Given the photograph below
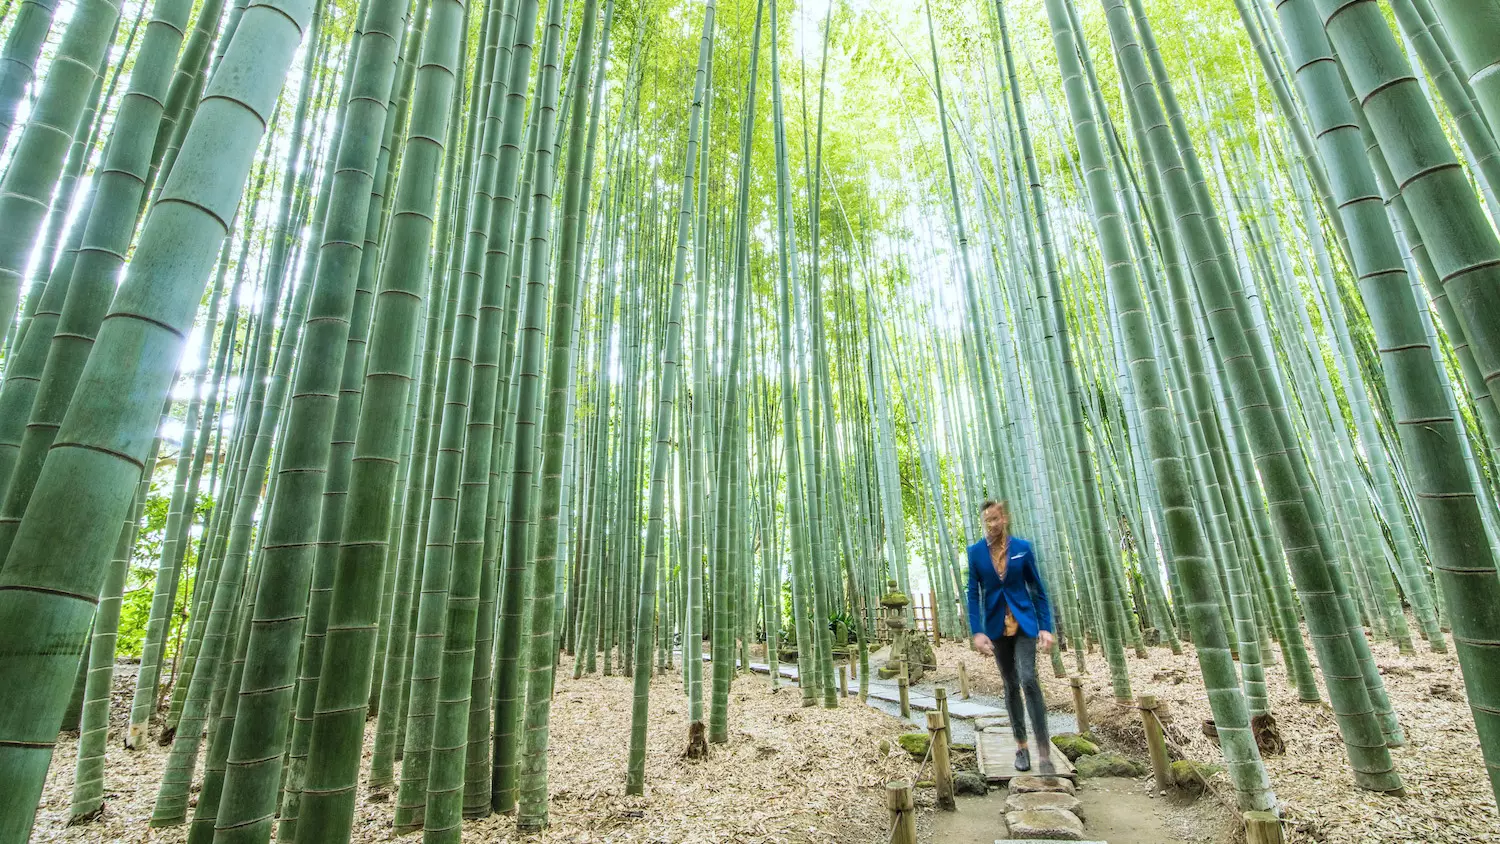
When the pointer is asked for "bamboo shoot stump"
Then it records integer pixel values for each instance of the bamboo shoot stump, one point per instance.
(1260, 828)
(942, 769)
(843, 681)
(940, 695)
(963, 681)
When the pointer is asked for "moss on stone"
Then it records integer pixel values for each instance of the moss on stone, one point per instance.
(1109, 765)
(1191, 776)
(1073, 745)
(914, 743)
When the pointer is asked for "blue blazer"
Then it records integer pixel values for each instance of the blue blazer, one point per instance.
(1022, 590)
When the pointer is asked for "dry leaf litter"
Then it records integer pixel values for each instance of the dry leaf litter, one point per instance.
(1448, 797)
(789, 775)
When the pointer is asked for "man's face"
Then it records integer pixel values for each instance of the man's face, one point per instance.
(996, 520)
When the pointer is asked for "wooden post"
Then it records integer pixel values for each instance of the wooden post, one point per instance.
(937, 635)
(843, 681)
(963, 681)
(903, 812)
(940, 694)
(1260, 828)
(1080, 711)
(942, 770)
(905, 697)
(1156, 743)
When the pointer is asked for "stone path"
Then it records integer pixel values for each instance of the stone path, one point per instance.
(918, 695)
(1042, 809)
(968, 716)
(1038, 808)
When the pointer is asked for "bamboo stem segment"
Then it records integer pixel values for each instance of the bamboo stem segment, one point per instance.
(963, 681)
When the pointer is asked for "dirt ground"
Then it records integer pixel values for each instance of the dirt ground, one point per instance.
(1448, 795)
(788, 775)
(797, 776)
(1120, 811)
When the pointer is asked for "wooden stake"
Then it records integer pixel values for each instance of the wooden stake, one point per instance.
(1156, 743)
(843, 681)
(905, 698)
(1260, 828)
(942, 770)
(1080, 711)
(937, 635)
(963, 681)
(903, 812)
(940, 694)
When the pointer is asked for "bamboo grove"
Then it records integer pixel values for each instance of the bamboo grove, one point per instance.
(366, 364)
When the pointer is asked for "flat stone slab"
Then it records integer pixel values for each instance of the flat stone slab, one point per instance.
(1045, 824)
(969, 709)
(984, 723)
(1023, 785)
(1026, 800)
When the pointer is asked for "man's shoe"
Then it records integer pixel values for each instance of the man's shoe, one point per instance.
(1023, 759)
(1046, 767)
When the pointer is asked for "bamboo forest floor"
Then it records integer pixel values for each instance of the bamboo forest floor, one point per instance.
(799, 775)
(789, 775)
(1448, 795)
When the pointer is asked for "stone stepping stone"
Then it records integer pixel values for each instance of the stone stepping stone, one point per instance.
(1025, 801)
(969, 709)
(1045, 824)
(984, 723)
(1023, 785)
(1037, 841)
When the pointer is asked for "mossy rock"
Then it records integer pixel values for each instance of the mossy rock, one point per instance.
(894, 600)
(919, 651)
(926, 784)
(1074, 745)
(1109, 765)
(884, 746)
(970, 782)
(1191, 777)
(915, 744)
(886, 672)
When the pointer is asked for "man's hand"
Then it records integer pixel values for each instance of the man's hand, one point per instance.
(1044, 641)
(983, 645)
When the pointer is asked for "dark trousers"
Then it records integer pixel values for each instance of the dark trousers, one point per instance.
(1016, 657)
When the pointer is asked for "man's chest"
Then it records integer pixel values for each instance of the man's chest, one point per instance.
(1004, 561)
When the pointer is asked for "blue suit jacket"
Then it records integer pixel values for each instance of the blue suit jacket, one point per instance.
(1022, 590)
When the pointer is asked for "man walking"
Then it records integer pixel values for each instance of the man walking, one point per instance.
(1010, 616)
